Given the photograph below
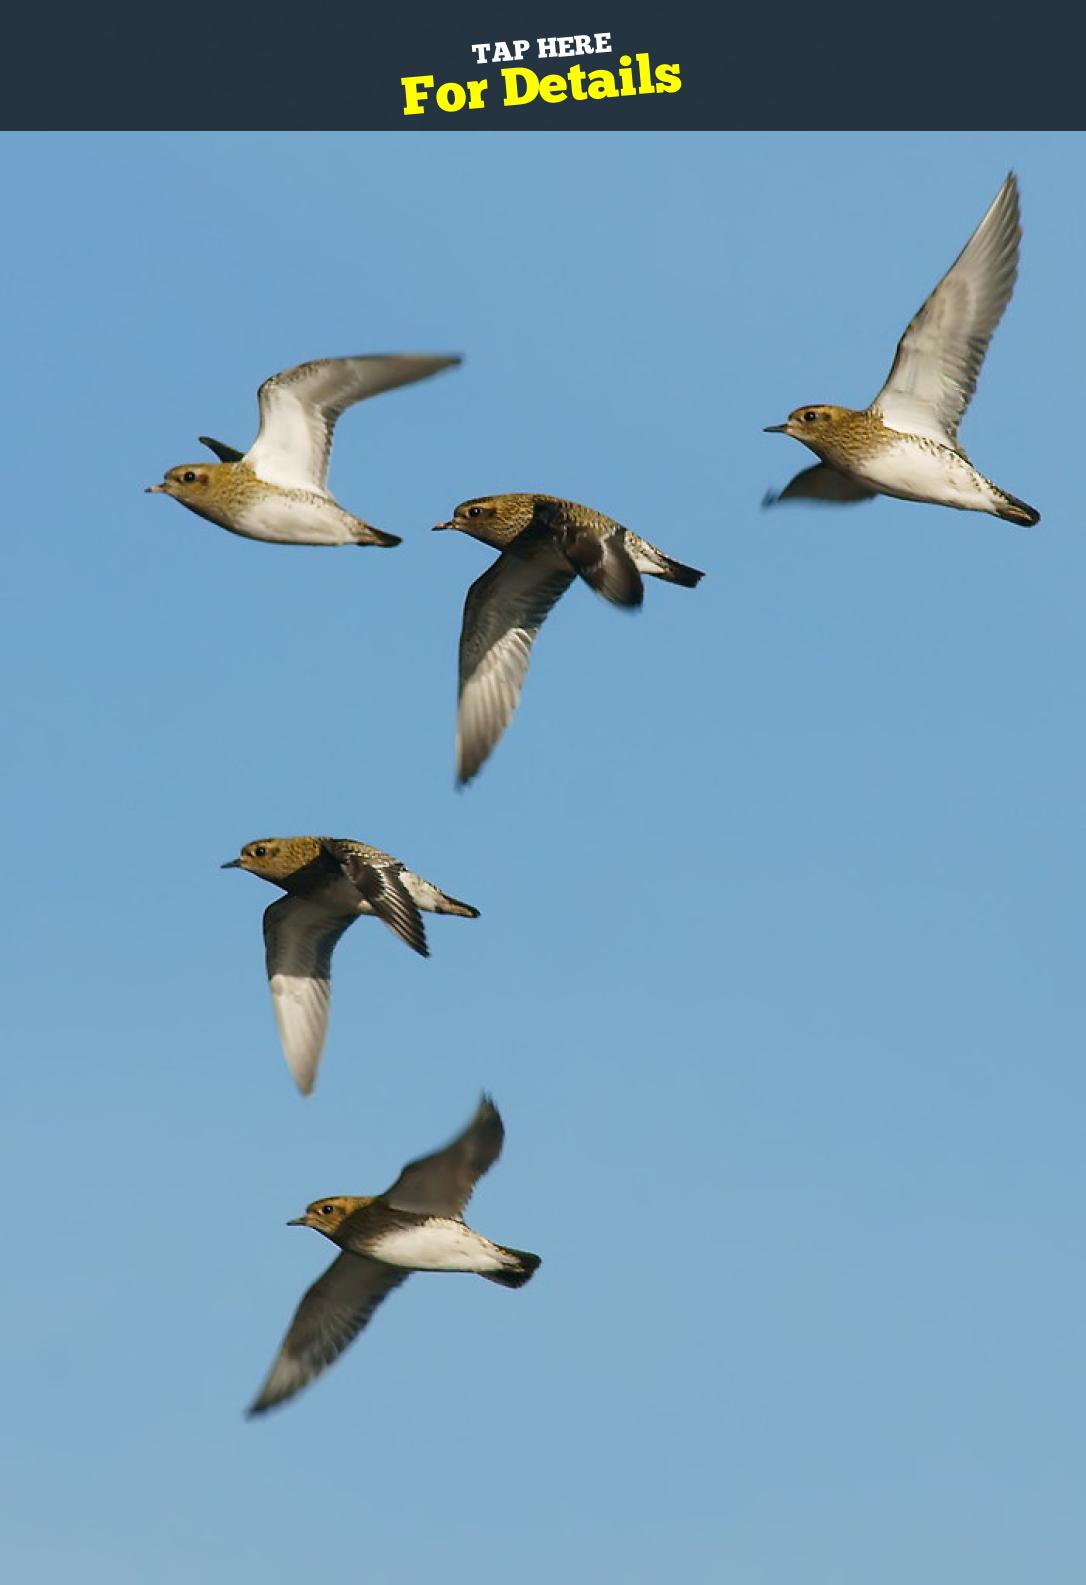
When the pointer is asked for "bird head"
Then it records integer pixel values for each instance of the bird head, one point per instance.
(276, 858)
(813, 424)
(495, 519)
(327, 1216)
(190, 484)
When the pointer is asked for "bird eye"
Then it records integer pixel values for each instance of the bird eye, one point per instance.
(260, 851)
(188, 477)
(475, 511)
(809, 416)
(326, 1210)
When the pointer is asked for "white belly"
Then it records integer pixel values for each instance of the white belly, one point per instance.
(300, 519)
(439, 1245)
(915, 472)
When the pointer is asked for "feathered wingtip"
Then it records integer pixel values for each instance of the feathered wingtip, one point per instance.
(224, 452)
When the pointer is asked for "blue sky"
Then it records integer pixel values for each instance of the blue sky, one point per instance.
(777, 976)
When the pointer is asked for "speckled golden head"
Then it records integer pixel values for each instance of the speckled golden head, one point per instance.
(221, 492)
(274, 858)
(807, 423)
(495, 519)
(327, 1216)
(189, 483)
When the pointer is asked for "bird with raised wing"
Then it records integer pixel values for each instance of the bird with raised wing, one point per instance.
(330, 882)
(545, 543)
(277, 490)
(416, 1225)
(906, 443)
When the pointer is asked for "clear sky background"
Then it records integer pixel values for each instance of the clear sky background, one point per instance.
(777, 979)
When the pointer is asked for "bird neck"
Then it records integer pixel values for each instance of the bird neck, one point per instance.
(852, 434)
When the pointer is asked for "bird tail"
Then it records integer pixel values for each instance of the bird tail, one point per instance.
(366, 534)
(426, 895)
(453, 905)
(522, 1266)
(647, 558)
(1016, 511)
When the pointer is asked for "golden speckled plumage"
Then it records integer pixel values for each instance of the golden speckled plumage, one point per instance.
(330, 882)
(841, 435)
(416, 1225)
(277, 490)
(545, 542)
(328, 1215)
(905, 443)
(286, 859)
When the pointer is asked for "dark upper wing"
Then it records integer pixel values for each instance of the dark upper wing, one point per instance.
(224, 452)
(503, 612)
(331, 1315)
(381, 886)
(607, 566)
(441, 1184)
(820, 483)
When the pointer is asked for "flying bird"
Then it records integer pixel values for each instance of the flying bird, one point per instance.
(906, 443)
(277, 489)
(545, 543)
(330, 882)
(416, 1225)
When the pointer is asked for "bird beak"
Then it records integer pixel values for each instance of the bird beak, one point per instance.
(775, 429)
(441, 525)
(231, 864)
(155, 489)
(298, 1221)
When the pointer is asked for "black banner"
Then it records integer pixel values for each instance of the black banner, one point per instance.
(352, 65)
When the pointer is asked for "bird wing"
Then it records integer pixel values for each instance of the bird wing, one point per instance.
(331, 1315)
(298, 942)
(607, 566)
(224, 452)
(503, 612)
(299, 408)
(820, 483)
(939, 357)
(381, 886)
(595, 547)
(441, 1184)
